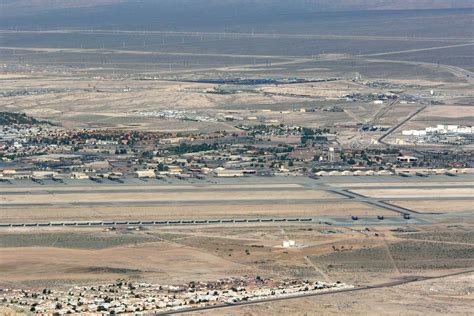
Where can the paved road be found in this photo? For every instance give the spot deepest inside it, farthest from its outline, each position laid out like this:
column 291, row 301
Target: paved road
column 415, row 50
column 240, row 35
column 336, row 221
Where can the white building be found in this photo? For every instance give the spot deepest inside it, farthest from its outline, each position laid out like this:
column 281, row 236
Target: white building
column 44, row 174
column 147, row 173
column 79, row 175
column 407, row 159
column 228, row 173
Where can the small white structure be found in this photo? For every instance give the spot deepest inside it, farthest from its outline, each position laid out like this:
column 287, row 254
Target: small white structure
column 147, row 173
column 9, row 172
column 44, row 174
column 174, row 170
column 331, row 154
column 79, row 175
column 407, row 159
column 289, row 243
column 228, row 173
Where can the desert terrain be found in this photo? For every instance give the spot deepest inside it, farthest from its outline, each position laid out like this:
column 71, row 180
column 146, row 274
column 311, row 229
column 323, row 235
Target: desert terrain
column 142, row 143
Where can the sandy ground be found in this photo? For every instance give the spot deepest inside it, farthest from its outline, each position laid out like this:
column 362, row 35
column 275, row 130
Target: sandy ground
column 8, row 311
column 159, row 261
column 401, row 184
column 417, row 193
column 326, row 89
column 449, row 111
column 107, row 103
column 183, row 254
column 437, row 206
column 31, row 214
column 110, row 103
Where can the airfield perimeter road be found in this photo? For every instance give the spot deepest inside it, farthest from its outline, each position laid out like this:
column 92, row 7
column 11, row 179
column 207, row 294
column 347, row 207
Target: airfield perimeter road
column 403, row 281
column 240, row 35
column 22, row 195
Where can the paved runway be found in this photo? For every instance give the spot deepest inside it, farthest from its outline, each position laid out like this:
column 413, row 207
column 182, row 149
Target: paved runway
column 332, row 190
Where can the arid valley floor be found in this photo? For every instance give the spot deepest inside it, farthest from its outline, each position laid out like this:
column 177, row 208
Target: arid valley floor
column 185, row 157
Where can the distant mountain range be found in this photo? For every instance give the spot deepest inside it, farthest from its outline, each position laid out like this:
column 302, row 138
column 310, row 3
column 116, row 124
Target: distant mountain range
column 32, row 7
column 16, row 7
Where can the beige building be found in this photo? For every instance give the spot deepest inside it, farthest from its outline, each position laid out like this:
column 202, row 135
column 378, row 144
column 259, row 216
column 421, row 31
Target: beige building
column 147, row 173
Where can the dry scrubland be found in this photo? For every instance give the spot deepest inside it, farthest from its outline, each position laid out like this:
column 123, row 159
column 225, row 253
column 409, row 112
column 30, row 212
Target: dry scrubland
column 402, row 184
column 158, row 260
column 92, row 97
column 57, row 256
column 418, row 193
column 448, row 114
column 103, row 103
column 440, row 206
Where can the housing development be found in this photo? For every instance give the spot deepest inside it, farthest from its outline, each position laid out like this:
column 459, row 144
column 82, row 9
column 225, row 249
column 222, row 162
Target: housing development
column 127, row 297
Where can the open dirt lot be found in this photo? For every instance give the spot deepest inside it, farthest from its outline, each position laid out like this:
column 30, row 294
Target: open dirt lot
column 437, row 206
column 403, row 184
column 417, row 193
column 157, row 261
